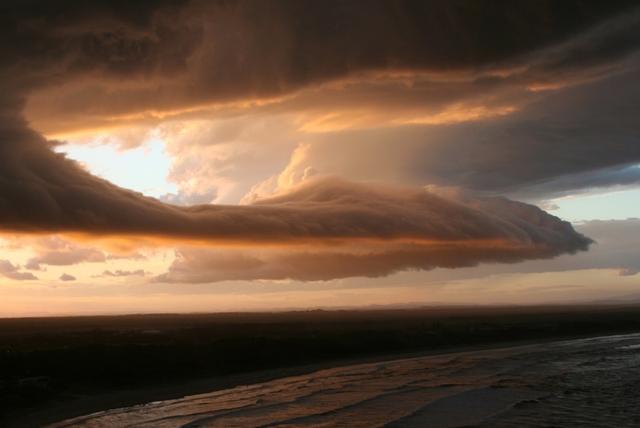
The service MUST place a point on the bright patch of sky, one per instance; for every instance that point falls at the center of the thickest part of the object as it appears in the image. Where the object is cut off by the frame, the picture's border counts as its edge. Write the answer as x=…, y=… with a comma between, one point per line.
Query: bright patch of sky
x=144, y=168
x=617, y=205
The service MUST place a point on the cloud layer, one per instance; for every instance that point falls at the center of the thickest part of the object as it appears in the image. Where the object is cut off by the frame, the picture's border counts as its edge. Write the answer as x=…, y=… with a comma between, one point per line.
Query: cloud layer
x=553, y=107
x=178, y=54
x=441, y=231
x=43, y=192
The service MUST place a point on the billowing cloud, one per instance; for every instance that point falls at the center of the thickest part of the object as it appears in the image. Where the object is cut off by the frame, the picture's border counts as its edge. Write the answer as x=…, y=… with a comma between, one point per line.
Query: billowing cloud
x=556, y=145
x=414, y=126
x=458, y=231
x=224, y=157
x=554, y=102
x=12, y=271
x=44, y=192
x=614, y=249
x=197, y=265
x=178, y=55
x=56, y=195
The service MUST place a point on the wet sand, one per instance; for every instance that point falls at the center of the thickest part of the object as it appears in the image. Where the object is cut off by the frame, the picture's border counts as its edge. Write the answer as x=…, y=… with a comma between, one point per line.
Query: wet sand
x=578, y=382
x=92, y=402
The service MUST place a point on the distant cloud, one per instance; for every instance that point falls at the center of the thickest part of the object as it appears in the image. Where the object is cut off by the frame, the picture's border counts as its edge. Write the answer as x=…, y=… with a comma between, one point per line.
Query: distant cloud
x=117, y=273
x=67, y=277
x=56, y=251
x=11, y=271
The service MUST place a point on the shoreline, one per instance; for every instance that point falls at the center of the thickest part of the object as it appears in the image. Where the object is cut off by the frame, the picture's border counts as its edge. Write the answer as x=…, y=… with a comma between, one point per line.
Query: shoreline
x=93, y=403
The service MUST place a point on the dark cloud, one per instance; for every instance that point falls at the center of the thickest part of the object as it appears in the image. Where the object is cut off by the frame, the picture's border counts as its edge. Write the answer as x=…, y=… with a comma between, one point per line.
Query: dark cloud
x=12, y=271
x=582, y=137
x=66, y=277
x=201, y=265
x=43, y=191
x=180, y=54
x=72, y=37
x=615, y=249
x=133, y=56
x=177, y=54
x=458, y=237
x=571, y=184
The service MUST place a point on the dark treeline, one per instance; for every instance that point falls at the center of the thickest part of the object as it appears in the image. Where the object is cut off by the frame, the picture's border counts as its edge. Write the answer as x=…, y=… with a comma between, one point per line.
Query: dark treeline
x=45, y=360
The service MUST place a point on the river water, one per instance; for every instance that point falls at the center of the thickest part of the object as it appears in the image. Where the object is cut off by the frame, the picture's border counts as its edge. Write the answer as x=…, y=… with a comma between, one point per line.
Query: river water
x=576, y=383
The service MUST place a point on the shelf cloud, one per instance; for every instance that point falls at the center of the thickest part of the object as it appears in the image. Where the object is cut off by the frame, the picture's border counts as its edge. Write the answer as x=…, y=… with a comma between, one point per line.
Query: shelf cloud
x=475, y=110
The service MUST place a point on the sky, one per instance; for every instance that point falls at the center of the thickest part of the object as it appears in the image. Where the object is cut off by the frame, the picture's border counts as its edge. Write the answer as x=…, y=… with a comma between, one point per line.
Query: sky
x=206, y=156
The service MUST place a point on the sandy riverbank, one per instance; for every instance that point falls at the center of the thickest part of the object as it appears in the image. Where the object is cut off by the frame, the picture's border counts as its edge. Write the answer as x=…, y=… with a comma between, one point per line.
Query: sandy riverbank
x=578, y=382
x=82, y=405
x=91, y=403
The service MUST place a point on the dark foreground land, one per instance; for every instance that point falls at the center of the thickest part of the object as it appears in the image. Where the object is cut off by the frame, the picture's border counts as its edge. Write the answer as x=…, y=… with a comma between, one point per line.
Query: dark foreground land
x=55, y=368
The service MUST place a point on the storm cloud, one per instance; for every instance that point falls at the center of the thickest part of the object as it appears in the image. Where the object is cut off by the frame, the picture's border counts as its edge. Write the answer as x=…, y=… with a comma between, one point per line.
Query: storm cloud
x=454, y=230
x=582, y=137
x=114, y=60
x=41, y=191
x=73, y=66
x=197, y=265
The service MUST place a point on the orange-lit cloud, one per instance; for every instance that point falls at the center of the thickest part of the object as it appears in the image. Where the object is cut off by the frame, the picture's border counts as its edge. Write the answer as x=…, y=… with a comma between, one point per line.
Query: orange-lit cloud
x=323, y=212
x=200, y=58
x=459, y=113
x=194, y=265
x=58, y=252
x=399, y=91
